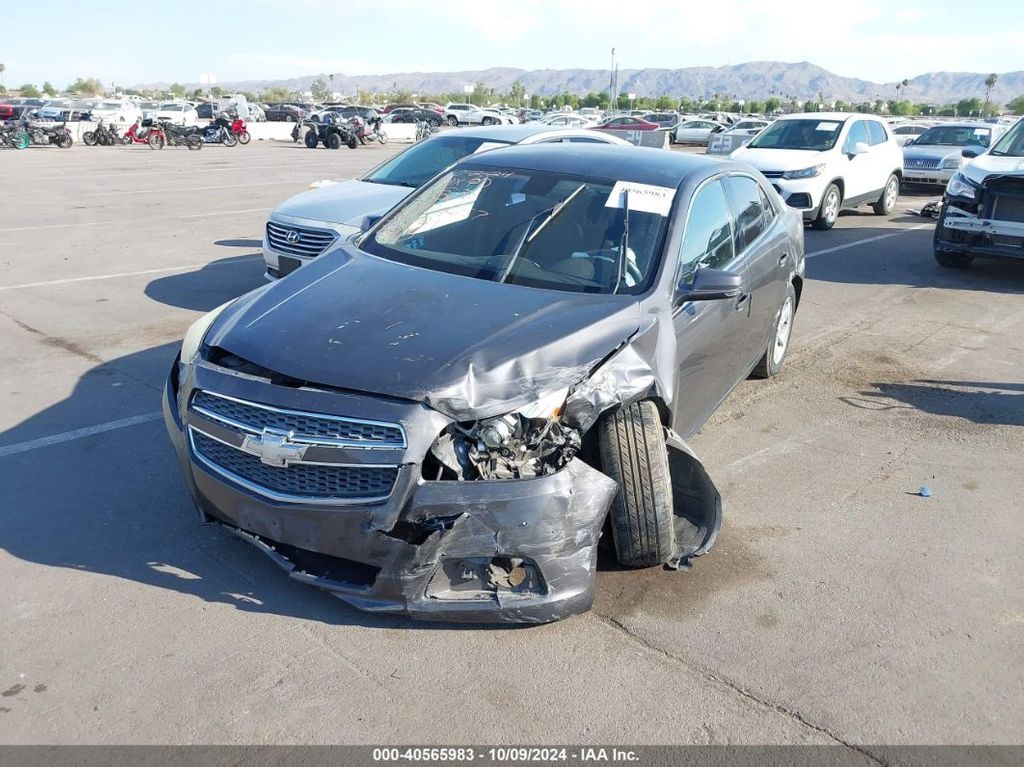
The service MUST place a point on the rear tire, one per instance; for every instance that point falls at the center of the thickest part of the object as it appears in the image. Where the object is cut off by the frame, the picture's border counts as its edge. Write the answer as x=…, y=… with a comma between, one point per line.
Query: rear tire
x=778, y=343
x=828, y=211
x=311, y=139
x=353, y=143
x=633, y=453
x=886, y=204
x=453, y=121
x=382, y=138
x=333, y=141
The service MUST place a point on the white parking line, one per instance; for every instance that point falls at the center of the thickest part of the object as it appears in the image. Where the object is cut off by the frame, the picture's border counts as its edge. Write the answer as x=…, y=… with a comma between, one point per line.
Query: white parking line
x=39, y=227
x=181, y=268
x=866, y=241
x=67, y=436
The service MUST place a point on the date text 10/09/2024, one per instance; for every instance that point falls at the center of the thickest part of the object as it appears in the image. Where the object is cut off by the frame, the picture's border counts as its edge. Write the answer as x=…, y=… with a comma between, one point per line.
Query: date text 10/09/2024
x=504, y=754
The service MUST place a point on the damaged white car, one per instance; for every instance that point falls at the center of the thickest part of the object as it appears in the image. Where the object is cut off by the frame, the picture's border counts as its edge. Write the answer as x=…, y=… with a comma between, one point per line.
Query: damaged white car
x=982, y=213
x=441, y=416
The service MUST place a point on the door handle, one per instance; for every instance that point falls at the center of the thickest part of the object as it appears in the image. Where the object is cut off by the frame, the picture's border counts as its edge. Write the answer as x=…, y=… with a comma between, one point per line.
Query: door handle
x=741, y=302
x=783, y=258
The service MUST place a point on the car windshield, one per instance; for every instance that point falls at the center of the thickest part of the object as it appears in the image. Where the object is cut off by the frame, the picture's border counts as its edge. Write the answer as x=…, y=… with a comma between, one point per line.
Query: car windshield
x=171, y=108
x=1012, y=143
x=417, y=165
x=531, y=228
x=808, y=135
x=954, y=135
x=110, y=105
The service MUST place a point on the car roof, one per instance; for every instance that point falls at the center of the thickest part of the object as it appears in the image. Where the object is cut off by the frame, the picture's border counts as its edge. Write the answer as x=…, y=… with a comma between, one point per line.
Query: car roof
x=965, y=124
x=841, y=116
x=642, y=165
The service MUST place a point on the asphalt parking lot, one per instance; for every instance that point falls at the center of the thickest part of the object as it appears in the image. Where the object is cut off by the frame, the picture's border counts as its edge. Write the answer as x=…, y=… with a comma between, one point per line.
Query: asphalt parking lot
x=839, y=606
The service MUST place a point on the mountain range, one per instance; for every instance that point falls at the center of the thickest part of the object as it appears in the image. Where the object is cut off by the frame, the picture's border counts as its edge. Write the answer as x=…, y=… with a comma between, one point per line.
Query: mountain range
x=751, y=80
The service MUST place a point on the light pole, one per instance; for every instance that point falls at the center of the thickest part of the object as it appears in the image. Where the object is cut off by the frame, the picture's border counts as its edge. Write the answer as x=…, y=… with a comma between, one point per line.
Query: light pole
x=611, y=84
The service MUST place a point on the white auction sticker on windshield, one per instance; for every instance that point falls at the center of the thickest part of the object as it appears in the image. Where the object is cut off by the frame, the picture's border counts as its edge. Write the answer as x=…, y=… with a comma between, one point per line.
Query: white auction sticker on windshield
x=827, y=126
x=642, y=197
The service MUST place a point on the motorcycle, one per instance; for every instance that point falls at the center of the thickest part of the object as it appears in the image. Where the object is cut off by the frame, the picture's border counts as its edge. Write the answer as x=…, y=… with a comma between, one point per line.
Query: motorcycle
x=178, y=135
x=240, y=130
x=103, y=135
x=14, y=136
x=219, y=132
x=369, y=131
x=332, y=134
x=146, y=132
x=424, y=130
x=44, y=134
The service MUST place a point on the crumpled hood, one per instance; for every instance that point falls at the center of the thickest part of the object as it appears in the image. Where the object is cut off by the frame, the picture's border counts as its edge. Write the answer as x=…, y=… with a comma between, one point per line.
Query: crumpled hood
x=347, y=202
x=985, y=165
x=778, y=159
x=466, y=347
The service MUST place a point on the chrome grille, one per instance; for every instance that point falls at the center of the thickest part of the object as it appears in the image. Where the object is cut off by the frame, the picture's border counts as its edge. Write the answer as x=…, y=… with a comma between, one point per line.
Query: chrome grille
x=310, y=243
x=301, y=480
x=928, y=163
x=249, y=417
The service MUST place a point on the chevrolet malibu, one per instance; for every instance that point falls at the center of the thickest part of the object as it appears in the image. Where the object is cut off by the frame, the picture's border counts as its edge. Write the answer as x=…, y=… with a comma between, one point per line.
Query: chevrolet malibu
x=441, y=416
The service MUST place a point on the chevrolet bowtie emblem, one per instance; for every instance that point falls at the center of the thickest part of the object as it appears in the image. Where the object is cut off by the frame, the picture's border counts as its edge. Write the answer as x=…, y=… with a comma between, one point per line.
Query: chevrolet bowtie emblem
x=274, y=448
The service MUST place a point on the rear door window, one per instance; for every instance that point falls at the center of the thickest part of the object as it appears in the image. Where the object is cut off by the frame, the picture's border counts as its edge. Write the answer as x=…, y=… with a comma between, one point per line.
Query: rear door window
x=876, y=132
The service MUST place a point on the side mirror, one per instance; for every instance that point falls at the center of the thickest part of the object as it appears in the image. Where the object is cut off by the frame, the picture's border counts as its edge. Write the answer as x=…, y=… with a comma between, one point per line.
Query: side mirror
x=710, y=285
x=908, y=142
x=858, y=148
x=970, y=152
x=368, y=222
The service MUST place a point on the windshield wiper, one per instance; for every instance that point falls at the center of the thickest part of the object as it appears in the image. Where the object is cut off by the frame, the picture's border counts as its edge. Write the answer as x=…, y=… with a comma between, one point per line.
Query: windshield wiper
x=530, y=234
x=620, y=262
x=388, y=182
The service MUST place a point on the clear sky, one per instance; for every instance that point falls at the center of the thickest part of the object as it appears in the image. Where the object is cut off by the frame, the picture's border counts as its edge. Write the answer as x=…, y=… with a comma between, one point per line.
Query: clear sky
x=133, y=42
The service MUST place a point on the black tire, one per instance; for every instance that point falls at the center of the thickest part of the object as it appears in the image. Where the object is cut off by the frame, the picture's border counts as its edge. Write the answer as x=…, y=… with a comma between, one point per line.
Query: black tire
x=230, y=139
x=311, y=139
x=333, y=141
x=774, y=356
x=289, y=119
x=453, y=121
x=828, y=213
x=886, y=204
x=156, y=141
x=63, y=140
x=244, y=137
x=382, y=138
x=193, y=142
x=353, y=143
x=89, y=138
x=633, y=453
x=487, y=121
x=435, y=123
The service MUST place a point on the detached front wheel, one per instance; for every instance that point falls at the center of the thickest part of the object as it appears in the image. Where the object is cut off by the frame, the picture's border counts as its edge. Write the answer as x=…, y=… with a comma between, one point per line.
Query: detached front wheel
x=633, y=453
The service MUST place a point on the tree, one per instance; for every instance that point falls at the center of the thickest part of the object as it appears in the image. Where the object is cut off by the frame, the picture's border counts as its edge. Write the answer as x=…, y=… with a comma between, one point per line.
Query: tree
x=196, y=94
x=535, y=101
x=990, y=83
x=1016, y=106
x=178, y=90
x=902, y=108
x=771, y=104
x=29, y=91
x=320, y=90
x=276, y=95
x=971, y=107
x=87, y=87
x=516, y=92
x=49, y=90
x=216, y=91
x=901, y=85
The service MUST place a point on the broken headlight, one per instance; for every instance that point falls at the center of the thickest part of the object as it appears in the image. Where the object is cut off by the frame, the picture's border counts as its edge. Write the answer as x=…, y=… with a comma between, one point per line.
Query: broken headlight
x=529, y=442
x=961, y=186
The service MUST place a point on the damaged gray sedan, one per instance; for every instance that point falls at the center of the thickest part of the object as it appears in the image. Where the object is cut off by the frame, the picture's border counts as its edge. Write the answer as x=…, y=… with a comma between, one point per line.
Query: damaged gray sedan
x=442, y=416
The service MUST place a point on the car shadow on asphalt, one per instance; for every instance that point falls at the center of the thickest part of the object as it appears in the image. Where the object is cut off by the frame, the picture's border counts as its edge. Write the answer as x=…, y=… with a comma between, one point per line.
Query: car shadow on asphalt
x=906, y=258
x=114, y=504
x=980, y=402
x=217, y=282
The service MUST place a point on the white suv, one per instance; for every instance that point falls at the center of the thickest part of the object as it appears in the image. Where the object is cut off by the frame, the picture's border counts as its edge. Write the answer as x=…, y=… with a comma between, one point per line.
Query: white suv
x=823, y=162
x=467, y=114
